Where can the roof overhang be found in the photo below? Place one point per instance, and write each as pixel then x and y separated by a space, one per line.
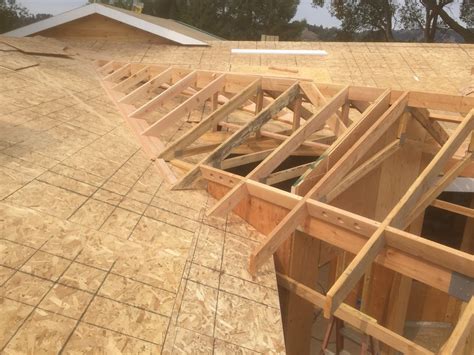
pixel 110 13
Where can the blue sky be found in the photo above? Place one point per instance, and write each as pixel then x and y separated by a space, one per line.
pixel 305 10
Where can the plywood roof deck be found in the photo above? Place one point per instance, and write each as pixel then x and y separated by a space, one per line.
pixel 96 252
pixel 99 252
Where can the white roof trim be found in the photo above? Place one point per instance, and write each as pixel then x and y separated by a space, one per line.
pixel 279 51
pixel 107 12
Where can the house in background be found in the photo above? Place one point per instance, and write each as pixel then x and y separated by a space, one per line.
pixel 98 21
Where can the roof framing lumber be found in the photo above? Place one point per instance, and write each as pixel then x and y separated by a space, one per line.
pixel 191 136
pixel 118 74
pixel 239 136
pixel 187 106
pixel 131 81
pixel 354 317
pixel 457 340
pixel 364 169
pixel 432 127
pixel 148 87
pixel 448 206
pixel 343 144
pixel 350 231
pixel 397 217
pixel 272 161
pixel 169 93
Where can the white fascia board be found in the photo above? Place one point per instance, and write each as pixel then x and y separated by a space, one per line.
pixel 279 51
pixel 107 12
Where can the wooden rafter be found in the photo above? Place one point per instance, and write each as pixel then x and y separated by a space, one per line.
pixel 338 168
pixel 272 161
pixel 239 136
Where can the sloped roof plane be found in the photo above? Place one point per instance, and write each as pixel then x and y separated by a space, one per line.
pixel 169 29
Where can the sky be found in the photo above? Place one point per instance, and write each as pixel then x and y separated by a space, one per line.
pixel 305 10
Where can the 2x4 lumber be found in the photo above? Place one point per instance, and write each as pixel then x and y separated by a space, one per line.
pixel 226 109
pixel 245 159
pixel 272 161
pixel 445 117
pixel 458 337
pixel 148 87
pixel 187 106
pixel 239 136
pixel 284 229
pixel 343 143
pixel 320 147
pixel 359 149
pixel 168 94
pixel 316 98
pixel 350 231
pixel 432 101
pixel 287 174
pixel 397 217
pixel 355 318
pixel 439 186
pixel 118 74
pixel 431 172
pixel 297 113
pixel 109 67
pixel 452 207
pixel 364 169
pixel 432 127
pixel 313 124
pixel 134 79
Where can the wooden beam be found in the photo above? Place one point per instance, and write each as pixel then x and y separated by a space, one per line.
pixel 397 217
pixel 319 147
pixel 187 106
pixel 168 94
pixel 439 186
pixel 283 230
pixel 452 207
pixel 245 159
pixel 119 73
pixel 148 87
pixel 349 232
pixel 431 172
pixel 134 79
pixel 284 150
pixel 365 168
pixel 287 174
pixel 355 318
pixel 343 144
pixel 457 340
pixel 358 150
pixel 226 109
pixel 432 127
pixel 219 154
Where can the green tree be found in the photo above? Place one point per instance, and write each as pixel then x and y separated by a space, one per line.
pixel 432 15
pixel 124 4
pixel 12 15
pixel 375 17
pixel 233 19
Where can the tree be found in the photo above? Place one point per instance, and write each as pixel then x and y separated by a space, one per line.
pixel 124 4
pixel 431 15
pixel 12 15
pixel 376 17
pixel 233 19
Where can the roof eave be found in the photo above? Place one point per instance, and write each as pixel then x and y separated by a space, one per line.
pixel 110 13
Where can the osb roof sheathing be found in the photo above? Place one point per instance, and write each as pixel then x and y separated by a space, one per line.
pixel 96 252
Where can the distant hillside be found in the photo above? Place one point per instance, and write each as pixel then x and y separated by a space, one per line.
pixel 333 34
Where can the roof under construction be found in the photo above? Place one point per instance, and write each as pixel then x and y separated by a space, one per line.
pixel 158 198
